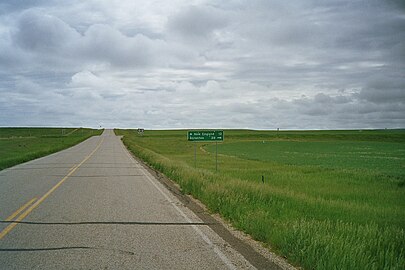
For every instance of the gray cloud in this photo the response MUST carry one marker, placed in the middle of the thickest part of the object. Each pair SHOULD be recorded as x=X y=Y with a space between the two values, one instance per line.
x=103 y=43
x=256 y=64
x=18 y=5
x=197 y=22
x=44 y=33
x=384 y=90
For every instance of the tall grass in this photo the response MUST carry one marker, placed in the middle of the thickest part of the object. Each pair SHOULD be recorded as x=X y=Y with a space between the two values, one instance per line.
x=319 y=217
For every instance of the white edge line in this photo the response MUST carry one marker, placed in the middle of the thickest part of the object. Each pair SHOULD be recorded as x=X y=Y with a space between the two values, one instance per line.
x=220 y=254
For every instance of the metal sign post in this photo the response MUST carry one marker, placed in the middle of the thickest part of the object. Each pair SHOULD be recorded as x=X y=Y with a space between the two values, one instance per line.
x=206 y=136
x=216 y=156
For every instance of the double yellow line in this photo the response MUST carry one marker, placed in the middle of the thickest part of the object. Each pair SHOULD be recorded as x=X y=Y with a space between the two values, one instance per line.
x=31 y=205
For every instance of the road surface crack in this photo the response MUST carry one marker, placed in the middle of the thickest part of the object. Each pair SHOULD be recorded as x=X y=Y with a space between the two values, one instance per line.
x=64 y=248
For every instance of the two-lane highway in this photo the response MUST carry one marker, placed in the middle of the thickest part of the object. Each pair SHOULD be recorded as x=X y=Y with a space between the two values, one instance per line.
x=94 y=207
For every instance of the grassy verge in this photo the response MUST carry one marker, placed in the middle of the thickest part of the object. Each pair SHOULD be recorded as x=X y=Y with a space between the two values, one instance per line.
x=329 y=200
x=18 y=145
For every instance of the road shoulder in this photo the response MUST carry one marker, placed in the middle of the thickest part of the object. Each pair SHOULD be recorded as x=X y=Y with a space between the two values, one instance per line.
x=253 y=251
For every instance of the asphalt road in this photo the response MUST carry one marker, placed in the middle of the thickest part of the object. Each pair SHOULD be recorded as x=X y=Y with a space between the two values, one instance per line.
x=93 y=206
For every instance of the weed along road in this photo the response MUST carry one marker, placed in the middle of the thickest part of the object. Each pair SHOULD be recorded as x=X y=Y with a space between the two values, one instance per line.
x=93 y=206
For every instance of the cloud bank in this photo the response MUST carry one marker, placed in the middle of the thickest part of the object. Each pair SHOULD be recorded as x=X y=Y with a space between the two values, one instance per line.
x=203 y=64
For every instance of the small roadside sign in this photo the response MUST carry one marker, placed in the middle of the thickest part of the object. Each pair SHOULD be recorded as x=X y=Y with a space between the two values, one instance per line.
x=206 y=136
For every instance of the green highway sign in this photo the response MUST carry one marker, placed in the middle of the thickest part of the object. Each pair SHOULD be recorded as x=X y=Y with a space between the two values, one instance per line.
x=205 y=135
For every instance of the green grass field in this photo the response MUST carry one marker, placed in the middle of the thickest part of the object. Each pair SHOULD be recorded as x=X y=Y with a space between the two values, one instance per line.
x=18 y=145
x=379 y=157
x=330 y=199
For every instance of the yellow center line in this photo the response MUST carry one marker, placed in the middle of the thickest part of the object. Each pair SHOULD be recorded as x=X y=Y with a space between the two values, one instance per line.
x=19 y=210
x=72 y=167
x=35 y=205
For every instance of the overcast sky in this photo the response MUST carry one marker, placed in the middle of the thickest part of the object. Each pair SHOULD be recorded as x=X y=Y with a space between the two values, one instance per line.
x=312 y=64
